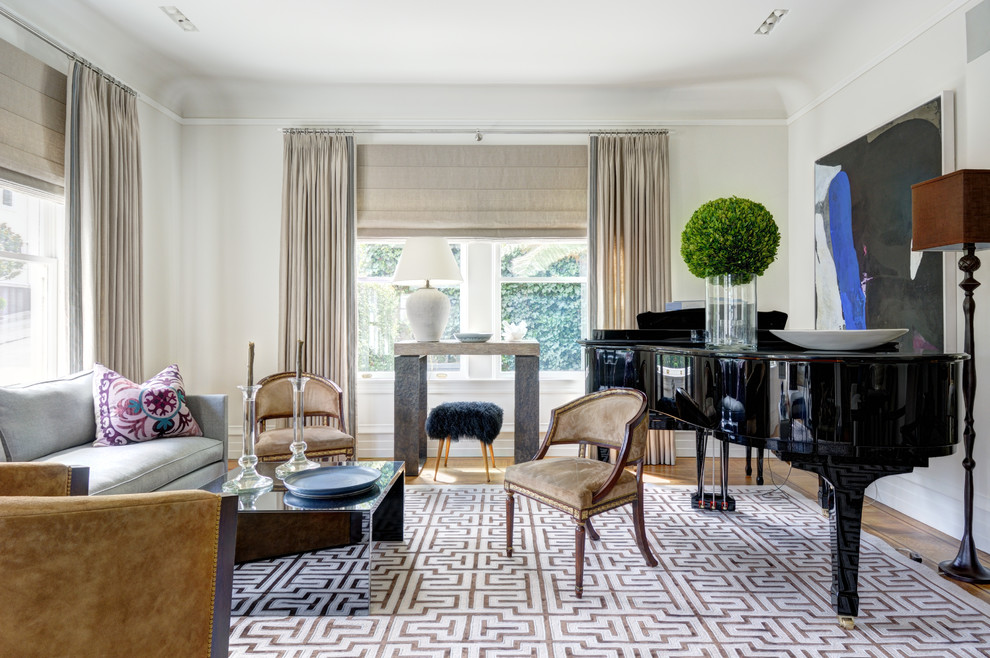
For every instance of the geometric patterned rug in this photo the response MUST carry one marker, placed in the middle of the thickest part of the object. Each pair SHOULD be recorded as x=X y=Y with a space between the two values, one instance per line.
x=754 y=582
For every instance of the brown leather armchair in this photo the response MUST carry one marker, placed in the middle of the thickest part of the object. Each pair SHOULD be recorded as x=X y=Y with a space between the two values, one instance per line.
x=118 y=575
x=323 y=431
x=583 y=487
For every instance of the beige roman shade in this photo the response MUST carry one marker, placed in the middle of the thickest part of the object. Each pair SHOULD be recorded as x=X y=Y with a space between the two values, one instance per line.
x=472 y=191
x=32 y=121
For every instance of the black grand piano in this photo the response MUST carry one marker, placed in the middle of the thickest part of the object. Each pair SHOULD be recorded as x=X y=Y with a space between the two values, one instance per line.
x=849 y=417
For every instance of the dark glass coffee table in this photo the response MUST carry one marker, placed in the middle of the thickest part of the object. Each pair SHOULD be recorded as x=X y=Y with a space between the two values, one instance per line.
x=277 y=523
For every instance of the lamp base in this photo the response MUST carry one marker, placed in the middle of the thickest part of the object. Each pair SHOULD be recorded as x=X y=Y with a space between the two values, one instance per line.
x=427 y=310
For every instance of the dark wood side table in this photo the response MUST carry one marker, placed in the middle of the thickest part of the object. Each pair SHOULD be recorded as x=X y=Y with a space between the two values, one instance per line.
x=410 y=395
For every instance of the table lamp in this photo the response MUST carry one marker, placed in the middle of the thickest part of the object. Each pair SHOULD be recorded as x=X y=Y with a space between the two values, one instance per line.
x=425 y=261
x=952 y=213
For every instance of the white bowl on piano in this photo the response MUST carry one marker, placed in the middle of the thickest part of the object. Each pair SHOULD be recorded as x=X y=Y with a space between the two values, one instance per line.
x=841 y=339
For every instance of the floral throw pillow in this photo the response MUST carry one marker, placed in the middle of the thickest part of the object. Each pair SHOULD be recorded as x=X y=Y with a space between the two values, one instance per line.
x=129 y=413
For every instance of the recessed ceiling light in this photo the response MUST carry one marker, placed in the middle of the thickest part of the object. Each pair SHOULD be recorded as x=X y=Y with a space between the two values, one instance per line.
x=771 y=21
x=179 y=18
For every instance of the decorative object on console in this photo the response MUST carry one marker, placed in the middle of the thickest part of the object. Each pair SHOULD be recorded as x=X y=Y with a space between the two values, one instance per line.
x=729 y=242
x=514 y=331
x=473 y=338
x=866 y=276
x=298 y=461
x=427 y=260
x=129 y=413
x=249 y=481
x=952 y=213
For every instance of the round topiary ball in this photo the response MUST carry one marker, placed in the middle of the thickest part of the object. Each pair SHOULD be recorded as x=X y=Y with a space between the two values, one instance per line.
x=730 y=236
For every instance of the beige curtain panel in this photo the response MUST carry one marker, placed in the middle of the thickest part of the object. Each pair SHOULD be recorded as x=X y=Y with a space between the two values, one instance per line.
x=103 y=178
x=629 y=239
x=317 y=288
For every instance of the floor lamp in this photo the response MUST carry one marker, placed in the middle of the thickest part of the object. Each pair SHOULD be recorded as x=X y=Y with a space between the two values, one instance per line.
x=952 y=213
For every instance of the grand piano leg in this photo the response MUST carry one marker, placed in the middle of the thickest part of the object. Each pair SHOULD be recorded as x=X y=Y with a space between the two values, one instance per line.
x=759 y=463
x=849 y=482
x=721 y=501
x=700 y=450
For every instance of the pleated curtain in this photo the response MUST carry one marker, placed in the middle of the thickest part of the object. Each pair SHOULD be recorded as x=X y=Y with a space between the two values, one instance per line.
x=629 y=239
x=103 y=181
x=317 y=286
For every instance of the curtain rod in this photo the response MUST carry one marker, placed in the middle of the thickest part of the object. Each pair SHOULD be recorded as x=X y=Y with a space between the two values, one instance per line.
x=478 y=131
x=20 y=22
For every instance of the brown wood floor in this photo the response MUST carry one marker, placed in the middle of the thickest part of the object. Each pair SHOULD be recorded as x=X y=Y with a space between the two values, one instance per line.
x=902 y=532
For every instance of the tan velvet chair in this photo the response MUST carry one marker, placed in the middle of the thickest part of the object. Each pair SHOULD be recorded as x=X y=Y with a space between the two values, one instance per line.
x=580 y=486
x=324 y=431
x=119 y=575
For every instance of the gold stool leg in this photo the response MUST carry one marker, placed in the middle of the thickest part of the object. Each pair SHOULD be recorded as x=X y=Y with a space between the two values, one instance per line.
x=447 y=453
x=439 y=454
x=484 y=456
x=491 y=451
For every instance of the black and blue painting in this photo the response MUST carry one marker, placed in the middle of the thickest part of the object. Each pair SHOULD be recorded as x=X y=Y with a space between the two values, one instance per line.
x=866 y=275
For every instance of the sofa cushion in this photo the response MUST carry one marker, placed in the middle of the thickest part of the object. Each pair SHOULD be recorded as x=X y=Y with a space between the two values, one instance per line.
x=42 y=418
x=127 y=412
x=138 y=467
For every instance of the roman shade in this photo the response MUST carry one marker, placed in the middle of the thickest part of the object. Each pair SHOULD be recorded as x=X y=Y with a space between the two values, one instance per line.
x=32 y=122
x=472 y=191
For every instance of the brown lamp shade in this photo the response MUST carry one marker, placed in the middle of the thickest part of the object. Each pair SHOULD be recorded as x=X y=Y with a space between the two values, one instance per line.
x=952 y=210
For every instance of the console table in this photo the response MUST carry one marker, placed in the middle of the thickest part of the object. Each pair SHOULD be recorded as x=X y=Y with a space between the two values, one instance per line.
x=410 y=394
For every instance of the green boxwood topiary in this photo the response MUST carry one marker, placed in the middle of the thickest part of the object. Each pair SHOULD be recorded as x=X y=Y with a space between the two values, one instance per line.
x=730 y=236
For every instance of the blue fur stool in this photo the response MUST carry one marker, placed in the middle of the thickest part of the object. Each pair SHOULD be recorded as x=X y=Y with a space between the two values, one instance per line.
x=452 y=421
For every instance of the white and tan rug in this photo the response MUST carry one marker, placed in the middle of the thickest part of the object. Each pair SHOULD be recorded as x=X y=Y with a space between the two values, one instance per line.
x=750 y=583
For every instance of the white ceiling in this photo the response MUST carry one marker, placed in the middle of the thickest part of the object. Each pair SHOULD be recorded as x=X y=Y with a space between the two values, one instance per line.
x=672 y=57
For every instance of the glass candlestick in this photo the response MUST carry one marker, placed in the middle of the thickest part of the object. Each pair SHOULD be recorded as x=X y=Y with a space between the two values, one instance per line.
x=249 y=480
x=298 y=461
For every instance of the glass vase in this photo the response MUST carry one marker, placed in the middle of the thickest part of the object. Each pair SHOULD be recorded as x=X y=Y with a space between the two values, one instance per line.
x=730 y=312
x=248 y=481
x=298 y=462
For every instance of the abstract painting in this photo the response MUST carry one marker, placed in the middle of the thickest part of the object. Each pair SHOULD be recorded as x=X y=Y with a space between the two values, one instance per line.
x=866 y=276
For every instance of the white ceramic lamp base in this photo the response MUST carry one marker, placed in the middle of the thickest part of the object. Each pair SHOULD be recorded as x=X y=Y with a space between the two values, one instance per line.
x=427 y=310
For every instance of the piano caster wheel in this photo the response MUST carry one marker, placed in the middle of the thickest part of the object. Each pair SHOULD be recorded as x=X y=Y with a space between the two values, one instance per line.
x=847 y=623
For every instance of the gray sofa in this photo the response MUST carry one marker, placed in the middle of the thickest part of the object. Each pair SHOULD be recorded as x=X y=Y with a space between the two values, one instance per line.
x=55 y=421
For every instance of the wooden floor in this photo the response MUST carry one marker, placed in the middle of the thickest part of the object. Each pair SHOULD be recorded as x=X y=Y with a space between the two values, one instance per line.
x=905 y=534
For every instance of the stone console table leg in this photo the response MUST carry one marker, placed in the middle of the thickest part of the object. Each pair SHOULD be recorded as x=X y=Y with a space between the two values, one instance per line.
x=410 y=412
x=527 y=414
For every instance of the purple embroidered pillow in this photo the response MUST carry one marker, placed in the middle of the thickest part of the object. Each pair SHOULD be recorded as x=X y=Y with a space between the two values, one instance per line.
x=129 y=413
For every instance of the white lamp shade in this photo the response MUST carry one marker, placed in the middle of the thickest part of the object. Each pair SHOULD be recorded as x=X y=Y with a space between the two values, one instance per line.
x=426 y=261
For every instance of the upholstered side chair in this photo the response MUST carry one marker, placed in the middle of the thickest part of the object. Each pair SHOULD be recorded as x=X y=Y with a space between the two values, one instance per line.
x=324 y=431
x=117 y=575
x=581 y=486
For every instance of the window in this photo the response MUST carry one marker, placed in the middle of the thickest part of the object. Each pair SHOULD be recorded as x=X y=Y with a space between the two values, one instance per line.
x=543 y=283
x=31 y=247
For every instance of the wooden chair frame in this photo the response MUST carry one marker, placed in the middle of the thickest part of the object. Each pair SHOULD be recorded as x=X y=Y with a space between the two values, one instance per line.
x=329 y=418
x=582 y=518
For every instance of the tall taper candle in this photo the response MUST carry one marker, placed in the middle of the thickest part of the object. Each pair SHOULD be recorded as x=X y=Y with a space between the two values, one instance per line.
x=250 y=364
x=299 y=349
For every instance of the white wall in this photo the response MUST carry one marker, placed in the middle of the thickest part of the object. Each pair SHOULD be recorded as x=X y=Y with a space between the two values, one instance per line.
x=933 y=62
